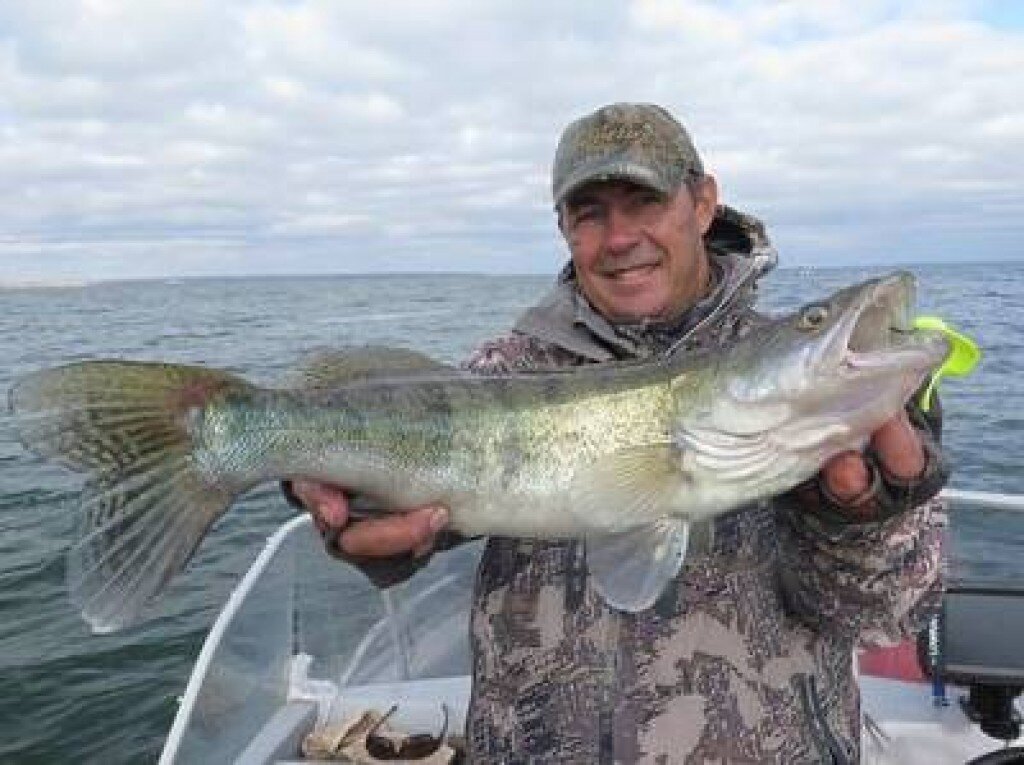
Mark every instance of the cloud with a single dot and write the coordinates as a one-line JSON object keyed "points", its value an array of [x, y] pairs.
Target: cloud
{"points": [[172, 138]]}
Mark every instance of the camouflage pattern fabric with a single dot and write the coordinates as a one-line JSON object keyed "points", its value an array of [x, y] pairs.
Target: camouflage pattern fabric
{"points": [[747, 658], [642, 142]]}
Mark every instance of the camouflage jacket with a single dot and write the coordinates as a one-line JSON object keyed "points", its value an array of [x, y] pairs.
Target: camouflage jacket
{"points": [[748, 657]]}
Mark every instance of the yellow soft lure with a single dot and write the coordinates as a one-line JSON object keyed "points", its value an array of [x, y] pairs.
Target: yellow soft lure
{"points": [[964, 355]]}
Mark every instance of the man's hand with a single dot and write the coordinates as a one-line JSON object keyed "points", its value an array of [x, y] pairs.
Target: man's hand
{"points": [[900, 454], [398, 534], [903, 467]]}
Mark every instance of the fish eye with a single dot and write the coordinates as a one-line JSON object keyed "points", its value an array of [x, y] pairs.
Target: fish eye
{"points": [[813, 316]]}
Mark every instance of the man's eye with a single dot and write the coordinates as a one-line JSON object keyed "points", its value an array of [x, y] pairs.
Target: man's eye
{"points": [[585, 214], [642, 199]]}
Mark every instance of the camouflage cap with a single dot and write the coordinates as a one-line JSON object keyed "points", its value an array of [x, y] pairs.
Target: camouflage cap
{"points": [[637, 142]]}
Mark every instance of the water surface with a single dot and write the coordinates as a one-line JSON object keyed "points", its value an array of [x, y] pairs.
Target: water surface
{"points": [[66, 695]]}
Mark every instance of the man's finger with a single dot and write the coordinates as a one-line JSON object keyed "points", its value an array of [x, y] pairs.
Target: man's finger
{"points": [[397, 534], [846, 476], [328, 504], [899, 448]]}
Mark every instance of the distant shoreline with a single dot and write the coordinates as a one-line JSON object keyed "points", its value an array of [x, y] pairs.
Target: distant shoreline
{"points": [[43, 284], [31, 283]]}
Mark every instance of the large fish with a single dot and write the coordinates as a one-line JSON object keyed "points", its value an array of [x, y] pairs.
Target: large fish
{"points": [[624, 456]]}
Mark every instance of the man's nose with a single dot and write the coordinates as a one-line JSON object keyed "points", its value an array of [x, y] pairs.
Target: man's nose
{"points": [[623, 230]]}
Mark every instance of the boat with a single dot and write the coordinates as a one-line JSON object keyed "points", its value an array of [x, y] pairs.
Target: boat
{"points": [[282, 661]]}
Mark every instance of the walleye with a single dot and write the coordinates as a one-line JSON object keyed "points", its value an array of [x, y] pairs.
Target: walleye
{"points": [[622, 455]]}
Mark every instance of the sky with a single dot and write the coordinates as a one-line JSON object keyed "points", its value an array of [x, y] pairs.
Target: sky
{"points": [[173, 138]]}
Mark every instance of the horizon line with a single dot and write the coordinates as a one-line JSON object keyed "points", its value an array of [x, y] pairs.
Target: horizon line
{"points": [[82, 281]]}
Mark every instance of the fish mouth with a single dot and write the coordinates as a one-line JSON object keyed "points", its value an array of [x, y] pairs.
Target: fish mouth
{"points": [[878, 333]]}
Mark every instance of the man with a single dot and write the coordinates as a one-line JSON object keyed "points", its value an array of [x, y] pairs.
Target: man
{"points": [[748, 656]]}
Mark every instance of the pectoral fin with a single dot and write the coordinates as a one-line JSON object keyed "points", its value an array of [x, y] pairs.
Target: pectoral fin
{"points": [[631, 498], [629, 487], [632, 568]]}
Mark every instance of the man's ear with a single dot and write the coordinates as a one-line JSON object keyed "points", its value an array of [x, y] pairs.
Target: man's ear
{"points": [[705, 200]]}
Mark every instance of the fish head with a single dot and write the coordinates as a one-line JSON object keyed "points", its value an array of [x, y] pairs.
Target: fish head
{"points": [[822, 379]]}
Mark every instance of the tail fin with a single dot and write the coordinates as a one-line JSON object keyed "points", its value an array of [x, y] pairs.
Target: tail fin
{"points": [[145, 503]]}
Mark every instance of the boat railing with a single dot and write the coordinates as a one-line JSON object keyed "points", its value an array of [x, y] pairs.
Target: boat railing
{"points": [[985, 500]]}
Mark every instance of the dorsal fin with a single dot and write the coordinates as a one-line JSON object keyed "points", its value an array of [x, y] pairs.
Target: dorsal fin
{"points": [[328, 368]]}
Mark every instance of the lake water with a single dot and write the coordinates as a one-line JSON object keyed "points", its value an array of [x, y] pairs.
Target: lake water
{"points": [[66, 695]]}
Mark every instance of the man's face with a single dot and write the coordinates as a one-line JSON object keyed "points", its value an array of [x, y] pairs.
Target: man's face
{"points": [[638, 253]]}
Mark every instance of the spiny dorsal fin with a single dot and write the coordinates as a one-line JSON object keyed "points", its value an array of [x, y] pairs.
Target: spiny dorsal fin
{"points": [[329, 368]]}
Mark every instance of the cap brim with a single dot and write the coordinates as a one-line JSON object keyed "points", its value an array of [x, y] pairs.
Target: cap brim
{"points": [[610, 171]]}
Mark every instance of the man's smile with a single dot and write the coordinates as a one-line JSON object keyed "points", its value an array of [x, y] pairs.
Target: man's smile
{"points": [[632, 273]]}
